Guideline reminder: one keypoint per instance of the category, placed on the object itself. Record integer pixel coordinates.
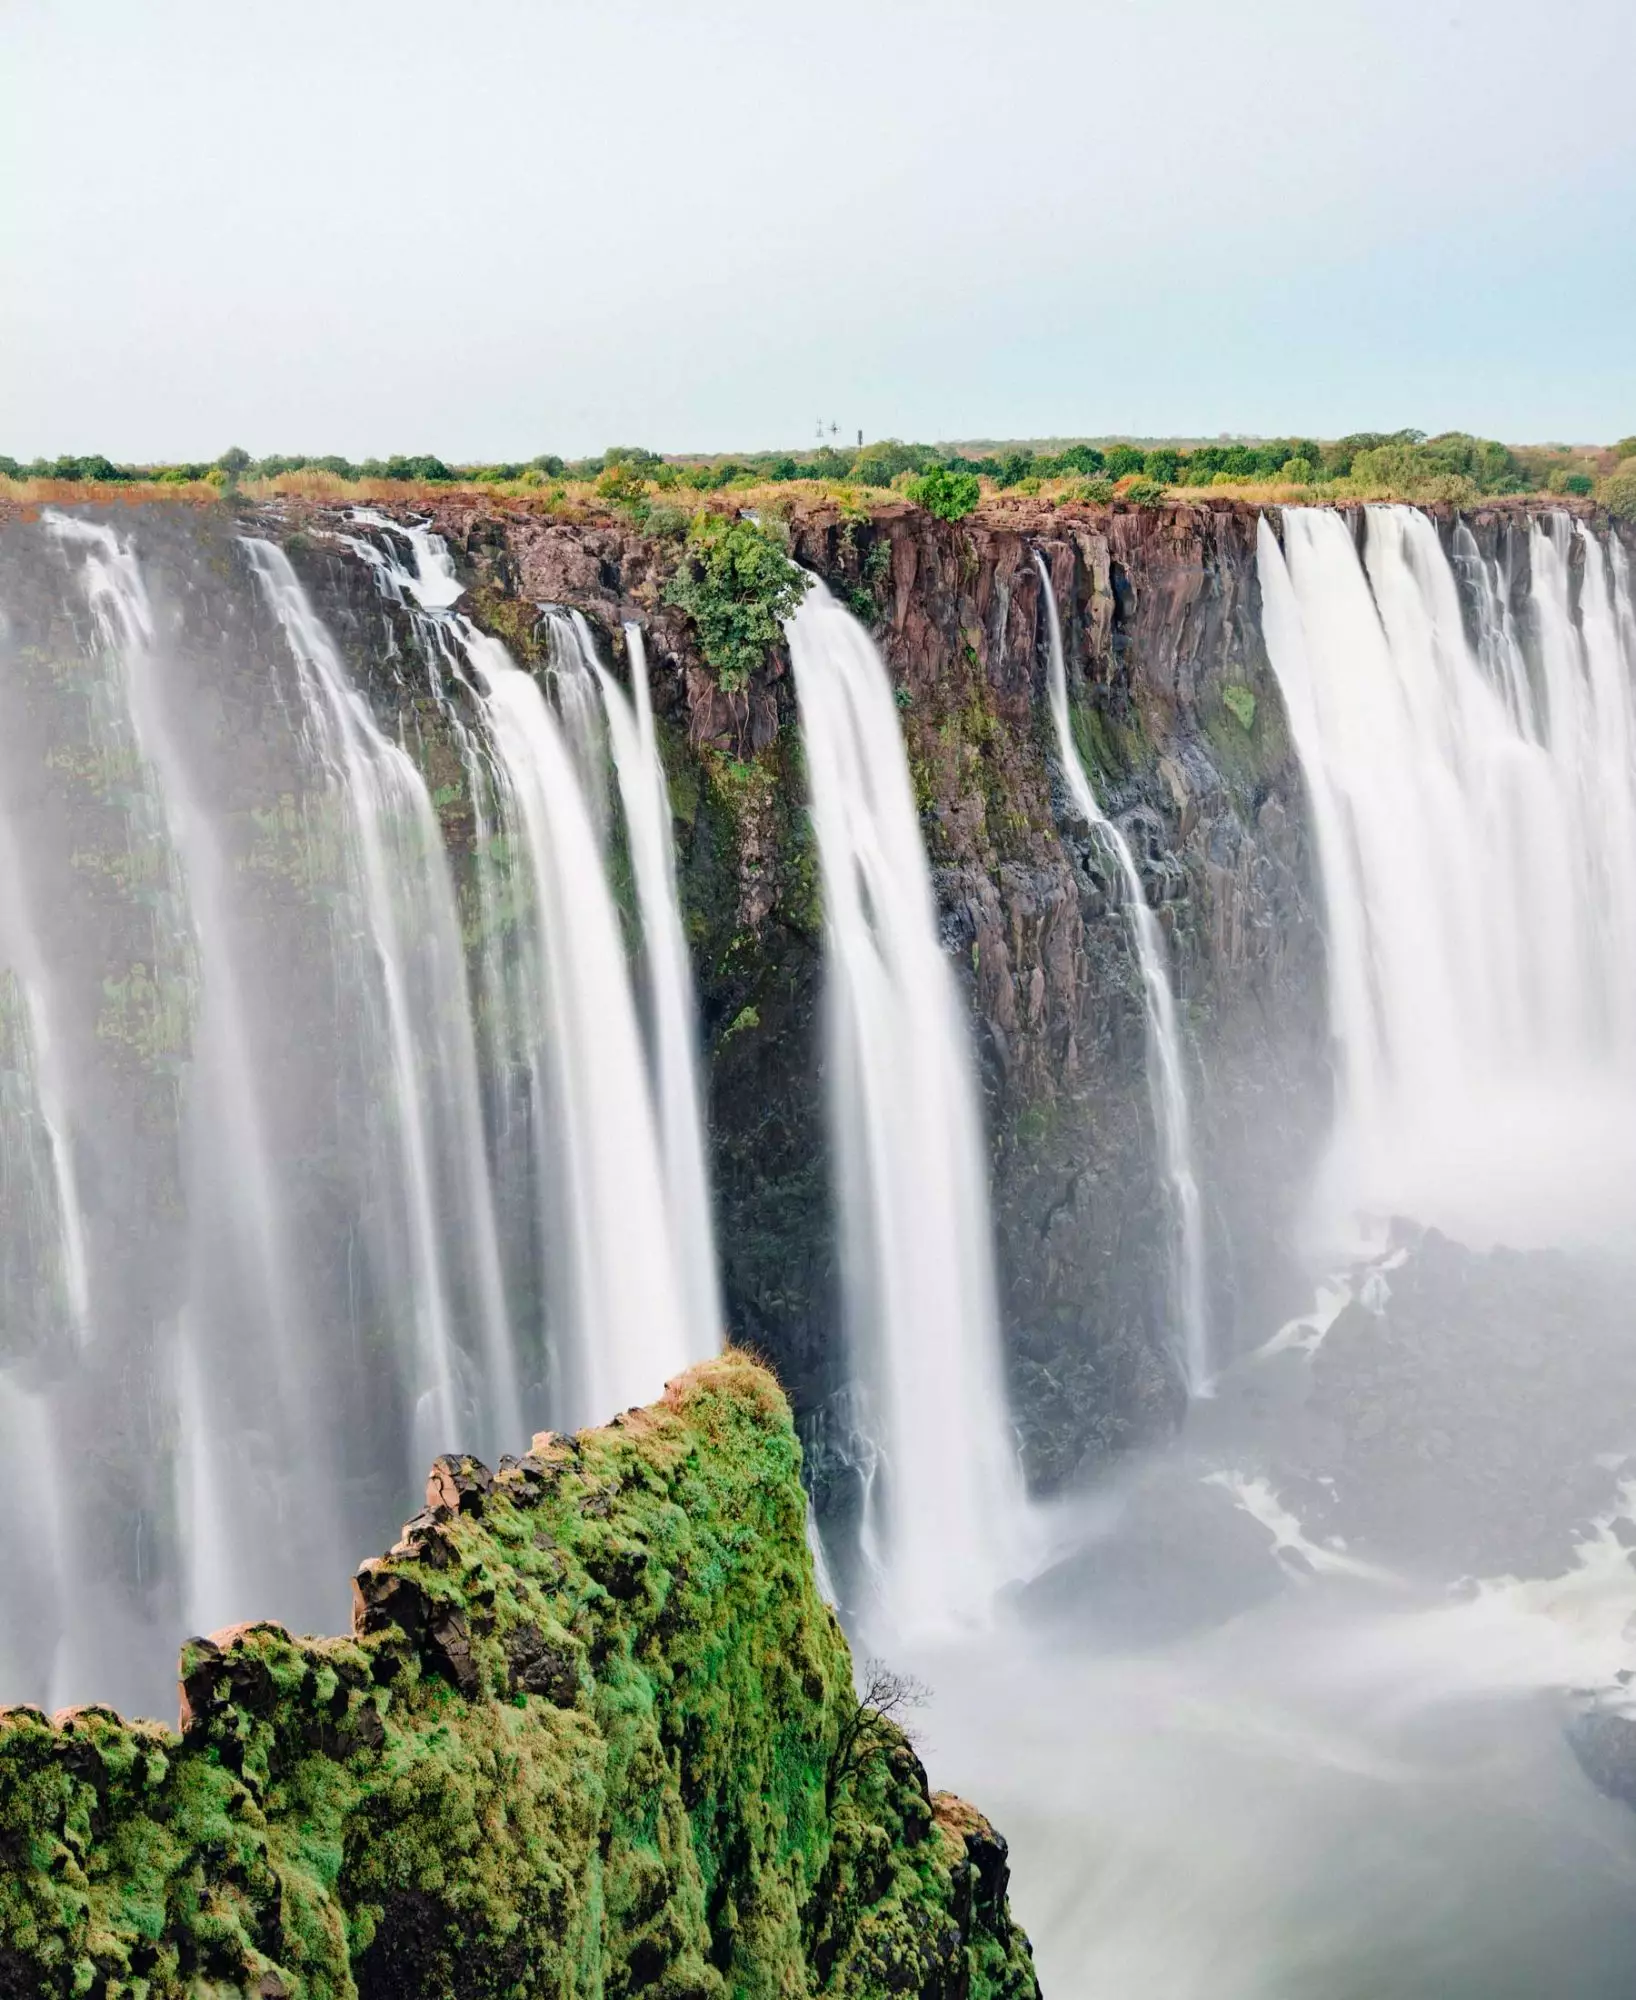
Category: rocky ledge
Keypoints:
(594, 1733)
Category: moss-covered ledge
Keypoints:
(595, 1734)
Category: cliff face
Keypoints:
(1182, 728)
(594, 1734)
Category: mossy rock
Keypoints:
(588, 1739)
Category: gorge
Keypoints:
(1134, 950)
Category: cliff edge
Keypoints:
(595, 1734)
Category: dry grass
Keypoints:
(577, 500)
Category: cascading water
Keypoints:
(250, 1121)
(1471, 763)
(672, 1024)
(945, 1521)
(616, 1158)
(439, 1230)
(1167, 1076)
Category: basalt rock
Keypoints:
(1182, 728)
(596, 1750)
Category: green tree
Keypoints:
(737, 585)
(951, 496)
(1618, 491)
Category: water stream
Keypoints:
(1166, 1071)
(945, 1526)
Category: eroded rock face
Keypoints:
(594, 1733)
(1183, 732)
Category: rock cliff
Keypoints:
(594, 1734)
(1181, 724)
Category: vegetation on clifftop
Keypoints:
(737, 585)
(595, 1735)
(947, 480)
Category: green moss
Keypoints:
(582, 1742)
(1240, 702)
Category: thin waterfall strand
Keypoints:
(1166, 1073)
(668, 977)
(946, 1507)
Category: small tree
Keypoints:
(883, 1700)
(738, 586)
(951, 496)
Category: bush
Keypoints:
(1143, 492)
(423, 469)
(1162, 464)
(625, 490)
(1122, 460)
(1625, 448)
(1298, 471)
(1618, 491)
(738, 586)
(951, 496)
(1093, 492)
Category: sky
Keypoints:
(505, 227)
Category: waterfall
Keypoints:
(945, 1518)
(1470, 755)
(1166, 1074)
(437, 1226)
(617, 1148)
(672, 1023)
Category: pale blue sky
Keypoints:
(500, 227)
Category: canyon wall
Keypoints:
(1182, 728)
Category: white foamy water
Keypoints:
(1473, 794)
(946, 1516)
(607, 1137)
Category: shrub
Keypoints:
(1122, 460)
(1618, 491)
(1298, 471)
(951, 496)
(1624, 449)
(625, 490)
(1162, 464)
(1093, 492)
(737, 585)
(1143, 492)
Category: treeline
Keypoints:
(1453, 464)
